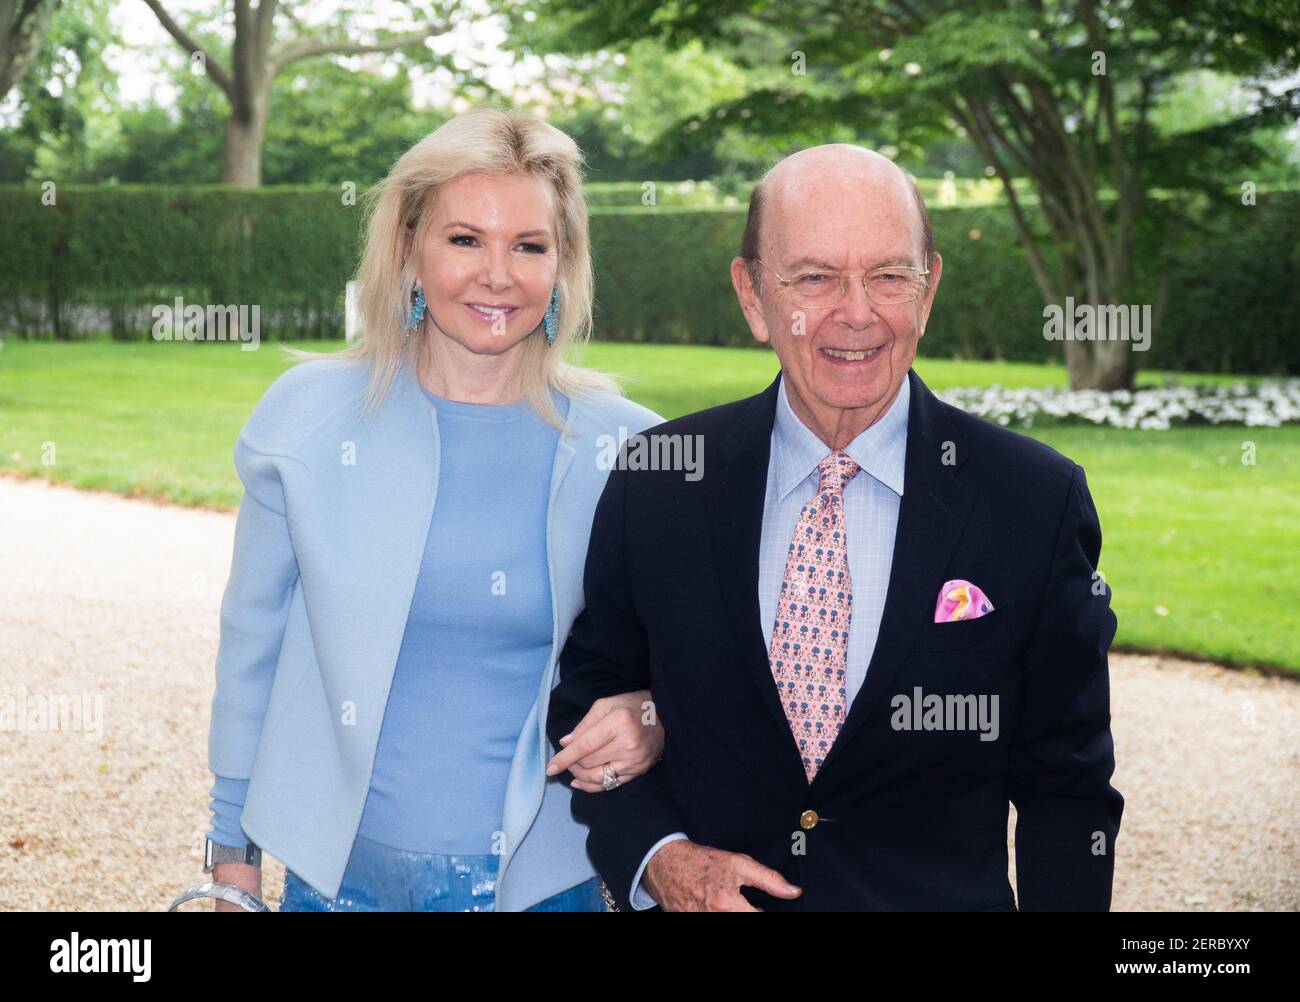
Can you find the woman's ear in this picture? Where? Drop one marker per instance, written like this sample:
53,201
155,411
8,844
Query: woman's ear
408,240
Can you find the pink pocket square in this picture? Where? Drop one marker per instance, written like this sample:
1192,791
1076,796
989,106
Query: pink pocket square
959,599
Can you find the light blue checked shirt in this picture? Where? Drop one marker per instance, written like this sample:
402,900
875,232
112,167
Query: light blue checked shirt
871,502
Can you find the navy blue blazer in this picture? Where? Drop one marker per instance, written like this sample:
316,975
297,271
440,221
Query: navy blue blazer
902,819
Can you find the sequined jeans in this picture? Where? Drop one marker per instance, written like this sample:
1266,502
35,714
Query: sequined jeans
380,878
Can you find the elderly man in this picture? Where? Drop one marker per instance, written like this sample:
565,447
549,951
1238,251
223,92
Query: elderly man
871,623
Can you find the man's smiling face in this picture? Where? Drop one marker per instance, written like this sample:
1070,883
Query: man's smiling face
846,210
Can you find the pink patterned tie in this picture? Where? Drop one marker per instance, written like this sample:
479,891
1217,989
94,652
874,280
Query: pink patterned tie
810,634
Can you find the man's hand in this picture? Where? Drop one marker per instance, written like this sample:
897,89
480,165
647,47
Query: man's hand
621,730
684,876
243,875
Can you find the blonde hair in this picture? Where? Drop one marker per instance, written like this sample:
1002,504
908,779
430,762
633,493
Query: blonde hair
484,141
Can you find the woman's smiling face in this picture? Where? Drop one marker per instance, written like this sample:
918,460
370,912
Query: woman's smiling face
489,260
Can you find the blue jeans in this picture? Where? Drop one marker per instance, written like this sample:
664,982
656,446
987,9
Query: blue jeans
380,878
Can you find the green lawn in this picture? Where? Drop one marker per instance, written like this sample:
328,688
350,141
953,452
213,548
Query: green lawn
1187,528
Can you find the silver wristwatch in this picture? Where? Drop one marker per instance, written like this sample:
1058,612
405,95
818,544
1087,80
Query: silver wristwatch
215,852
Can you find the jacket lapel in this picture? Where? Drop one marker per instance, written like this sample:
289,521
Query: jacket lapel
564,456
376,530
932,514
735,496
523,791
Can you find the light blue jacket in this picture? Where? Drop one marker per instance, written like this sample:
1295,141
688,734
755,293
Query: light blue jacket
328,546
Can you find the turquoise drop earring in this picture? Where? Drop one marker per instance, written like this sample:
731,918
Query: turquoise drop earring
551,319
417,310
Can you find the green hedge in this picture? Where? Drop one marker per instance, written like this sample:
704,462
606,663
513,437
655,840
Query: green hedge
289,250
662,272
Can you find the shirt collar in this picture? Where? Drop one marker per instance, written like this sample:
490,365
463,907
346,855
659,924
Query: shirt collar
880,450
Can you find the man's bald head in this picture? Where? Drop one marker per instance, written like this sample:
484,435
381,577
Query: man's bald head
816,218
844,163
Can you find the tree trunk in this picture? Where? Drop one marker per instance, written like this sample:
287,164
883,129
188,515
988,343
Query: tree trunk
22,29
1100,365
1096,274
241,163
254,64
1097,364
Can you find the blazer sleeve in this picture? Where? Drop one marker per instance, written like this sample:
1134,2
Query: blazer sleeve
607,654
254,611
228,797
1062,757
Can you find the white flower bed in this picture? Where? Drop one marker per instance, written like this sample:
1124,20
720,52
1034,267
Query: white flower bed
1268,403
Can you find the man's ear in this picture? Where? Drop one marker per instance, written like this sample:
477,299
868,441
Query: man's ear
936,270
749,303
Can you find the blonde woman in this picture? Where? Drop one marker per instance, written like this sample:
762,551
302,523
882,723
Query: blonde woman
409,555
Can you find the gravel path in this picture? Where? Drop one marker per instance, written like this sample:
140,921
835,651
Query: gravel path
114,603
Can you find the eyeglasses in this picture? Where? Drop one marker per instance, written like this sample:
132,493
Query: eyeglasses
819,288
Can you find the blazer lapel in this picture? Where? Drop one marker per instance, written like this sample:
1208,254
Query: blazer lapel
524,792
932,515
372,518
736,495
564,456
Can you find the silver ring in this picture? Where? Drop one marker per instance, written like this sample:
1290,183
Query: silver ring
610,780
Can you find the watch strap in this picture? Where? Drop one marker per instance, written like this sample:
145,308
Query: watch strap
215,852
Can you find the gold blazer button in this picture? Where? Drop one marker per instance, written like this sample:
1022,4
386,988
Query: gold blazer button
808,820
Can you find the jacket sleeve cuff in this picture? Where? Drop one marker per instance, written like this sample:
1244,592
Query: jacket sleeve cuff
640,898
228,796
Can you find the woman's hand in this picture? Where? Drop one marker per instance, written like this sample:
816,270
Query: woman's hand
623,731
